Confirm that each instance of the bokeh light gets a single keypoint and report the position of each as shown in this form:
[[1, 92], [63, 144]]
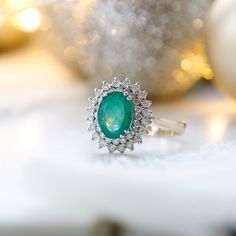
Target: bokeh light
[[28, 20]]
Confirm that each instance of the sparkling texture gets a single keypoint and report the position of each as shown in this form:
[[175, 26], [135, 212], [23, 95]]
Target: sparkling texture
[[159, 43], [115, 115], [119, 115]]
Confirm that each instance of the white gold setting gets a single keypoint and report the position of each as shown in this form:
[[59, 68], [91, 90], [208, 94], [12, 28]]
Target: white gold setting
[[144, 122], [143, 115]]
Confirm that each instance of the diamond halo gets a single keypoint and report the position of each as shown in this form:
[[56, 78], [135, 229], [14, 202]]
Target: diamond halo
[[142, 115]]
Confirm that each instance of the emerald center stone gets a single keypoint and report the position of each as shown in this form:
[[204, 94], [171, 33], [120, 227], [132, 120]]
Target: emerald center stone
[[115, 114]]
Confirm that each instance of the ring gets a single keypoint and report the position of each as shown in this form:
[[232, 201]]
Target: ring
[[119, 115]]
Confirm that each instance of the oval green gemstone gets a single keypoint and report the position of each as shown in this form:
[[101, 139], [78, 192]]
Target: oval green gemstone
[[115, 114]]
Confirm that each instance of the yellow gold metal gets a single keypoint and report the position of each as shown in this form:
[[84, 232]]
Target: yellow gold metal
[[164, 127]]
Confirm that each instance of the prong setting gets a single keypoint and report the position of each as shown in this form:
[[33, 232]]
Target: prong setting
[[142, 115]]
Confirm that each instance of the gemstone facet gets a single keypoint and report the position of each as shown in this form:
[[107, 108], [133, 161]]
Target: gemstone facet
[[115, 114]]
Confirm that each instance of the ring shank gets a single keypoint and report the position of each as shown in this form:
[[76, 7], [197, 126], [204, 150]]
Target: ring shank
[[165, 127]]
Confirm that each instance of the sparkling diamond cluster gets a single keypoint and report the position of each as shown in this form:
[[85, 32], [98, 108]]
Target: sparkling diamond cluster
[[142, 115]]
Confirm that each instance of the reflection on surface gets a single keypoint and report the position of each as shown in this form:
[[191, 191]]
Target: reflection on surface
[[216, 128]]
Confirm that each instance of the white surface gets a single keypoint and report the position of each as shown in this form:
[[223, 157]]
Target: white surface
[[51, 173], [54, 180]]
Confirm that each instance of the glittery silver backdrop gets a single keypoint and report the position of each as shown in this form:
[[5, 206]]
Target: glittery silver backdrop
[[157, 42]]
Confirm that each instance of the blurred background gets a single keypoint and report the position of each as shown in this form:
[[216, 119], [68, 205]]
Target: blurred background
[[53, 180]]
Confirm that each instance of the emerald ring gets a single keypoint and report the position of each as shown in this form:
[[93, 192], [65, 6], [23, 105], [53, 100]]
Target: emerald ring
[[119, 115]]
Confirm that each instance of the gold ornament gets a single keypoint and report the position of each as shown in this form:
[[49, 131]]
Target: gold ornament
[[221, 38], [159, 43]]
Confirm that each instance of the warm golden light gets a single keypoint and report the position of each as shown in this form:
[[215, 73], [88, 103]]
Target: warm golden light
[[186, 64], [178, 76], [207, 73], [194, 63], [81, 11], [17, 3], [28, 20], [216, 128], [46, 23]]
